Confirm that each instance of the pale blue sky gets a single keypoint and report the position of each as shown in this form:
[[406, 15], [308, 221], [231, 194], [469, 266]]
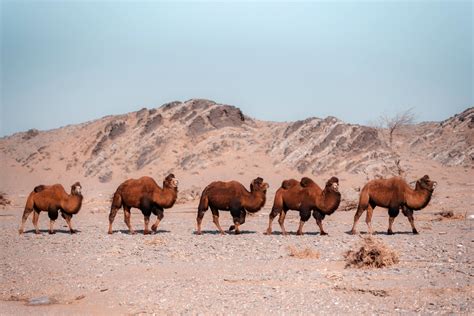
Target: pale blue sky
[[65, 62]]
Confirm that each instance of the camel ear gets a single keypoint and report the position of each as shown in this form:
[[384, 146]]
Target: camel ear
[[425, 177]]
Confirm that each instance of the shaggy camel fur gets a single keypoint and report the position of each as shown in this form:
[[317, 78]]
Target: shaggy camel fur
[[52, 199], [146, 195], [393, 194], [305, 196], [234, 197]]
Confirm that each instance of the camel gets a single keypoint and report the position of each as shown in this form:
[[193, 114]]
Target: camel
[[305, 196], [146, 195], [393, 194], [231, 196], [52, 199]]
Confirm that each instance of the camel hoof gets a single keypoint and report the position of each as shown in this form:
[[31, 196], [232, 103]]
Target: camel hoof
[[298, 233], [237, 232], [154, 227], [109, 232], [20, 231], [52, 232], [73, 231], [389, 232], [198, 233], [231, 227], [222, 233], [267, 232], [415, 232], [353, 232], [37, 232], [284, 233], [324, 234], [132, 232], [146, 232]]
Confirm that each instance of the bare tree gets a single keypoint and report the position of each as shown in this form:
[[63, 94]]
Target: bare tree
[[394, 123]]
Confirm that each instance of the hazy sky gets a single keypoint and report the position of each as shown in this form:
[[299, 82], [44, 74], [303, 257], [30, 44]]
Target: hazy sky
[[65, 62]]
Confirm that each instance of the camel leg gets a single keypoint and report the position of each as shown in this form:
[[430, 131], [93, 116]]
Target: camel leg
[[215, 219], [35, 222], [199, 218], [53, 216], [409, 214], [392, 213], [26, 213], [304, 216], [358, 214], [271, 217], [238, 221], [67, 218], [127, 215], [146, 231], [281, 221], [390, 223], [368, 219], [113, 212], [159, 217], [319, 221]]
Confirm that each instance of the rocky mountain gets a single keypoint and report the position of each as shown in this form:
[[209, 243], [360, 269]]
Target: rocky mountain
[[198, 137]]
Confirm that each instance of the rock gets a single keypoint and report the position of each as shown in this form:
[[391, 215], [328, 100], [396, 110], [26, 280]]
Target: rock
[[42, 300]]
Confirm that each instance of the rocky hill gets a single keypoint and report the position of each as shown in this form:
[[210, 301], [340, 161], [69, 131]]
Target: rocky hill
[[198, 137]]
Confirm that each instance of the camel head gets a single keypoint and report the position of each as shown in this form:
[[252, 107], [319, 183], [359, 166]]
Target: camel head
[[76, 189], [333, 184], [258, 185], [426, 183], [170, 182]]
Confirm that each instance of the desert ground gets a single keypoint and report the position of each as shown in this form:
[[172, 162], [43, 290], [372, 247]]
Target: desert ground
[[176, 271]]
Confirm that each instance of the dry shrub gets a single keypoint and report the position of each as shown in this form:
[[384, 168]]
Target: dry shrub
[[371, 253], [348, 206], [157, 241], [306, 253], [448, 215], [3, 199]]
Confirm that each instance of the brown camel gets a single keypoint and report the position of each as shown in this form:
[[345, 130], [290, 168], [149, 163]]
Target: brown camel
[[146, 195], [393, 194], [231, 196], [52, 199], [305, 196]]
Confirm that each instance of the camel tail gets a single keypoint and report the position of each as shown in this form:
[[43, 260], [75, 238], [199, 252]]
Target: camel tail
[[116, 200], [30, 202], [363, 199], [203, 202]]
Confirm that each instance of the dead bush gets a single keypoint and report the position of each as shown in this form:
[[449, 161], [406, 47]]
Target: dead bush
[[306, 253], [371, 253], [443, 215]]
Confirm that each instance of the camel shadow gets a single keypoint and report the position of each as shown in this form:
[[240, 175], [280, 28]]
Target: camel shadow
[[294, 233], [141, 231], [379, 233], [45, 231], [216, 232]]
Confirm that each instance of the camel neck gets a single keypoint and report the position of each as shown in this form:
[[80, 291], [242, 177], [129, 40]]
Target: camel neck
[[254, 201], [418, 198], [330, 201]]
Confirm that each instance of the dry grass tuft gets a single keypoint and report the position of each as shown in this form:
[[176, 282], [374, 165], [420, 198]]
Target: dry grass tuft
[[443, 215], [371, 253], [157, 241], [306, 253], [3, 199]]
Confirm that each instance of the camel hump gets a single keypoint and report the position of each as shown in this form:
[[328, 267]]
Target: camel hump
[[286, 184], [305, 182], [39, 188]]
